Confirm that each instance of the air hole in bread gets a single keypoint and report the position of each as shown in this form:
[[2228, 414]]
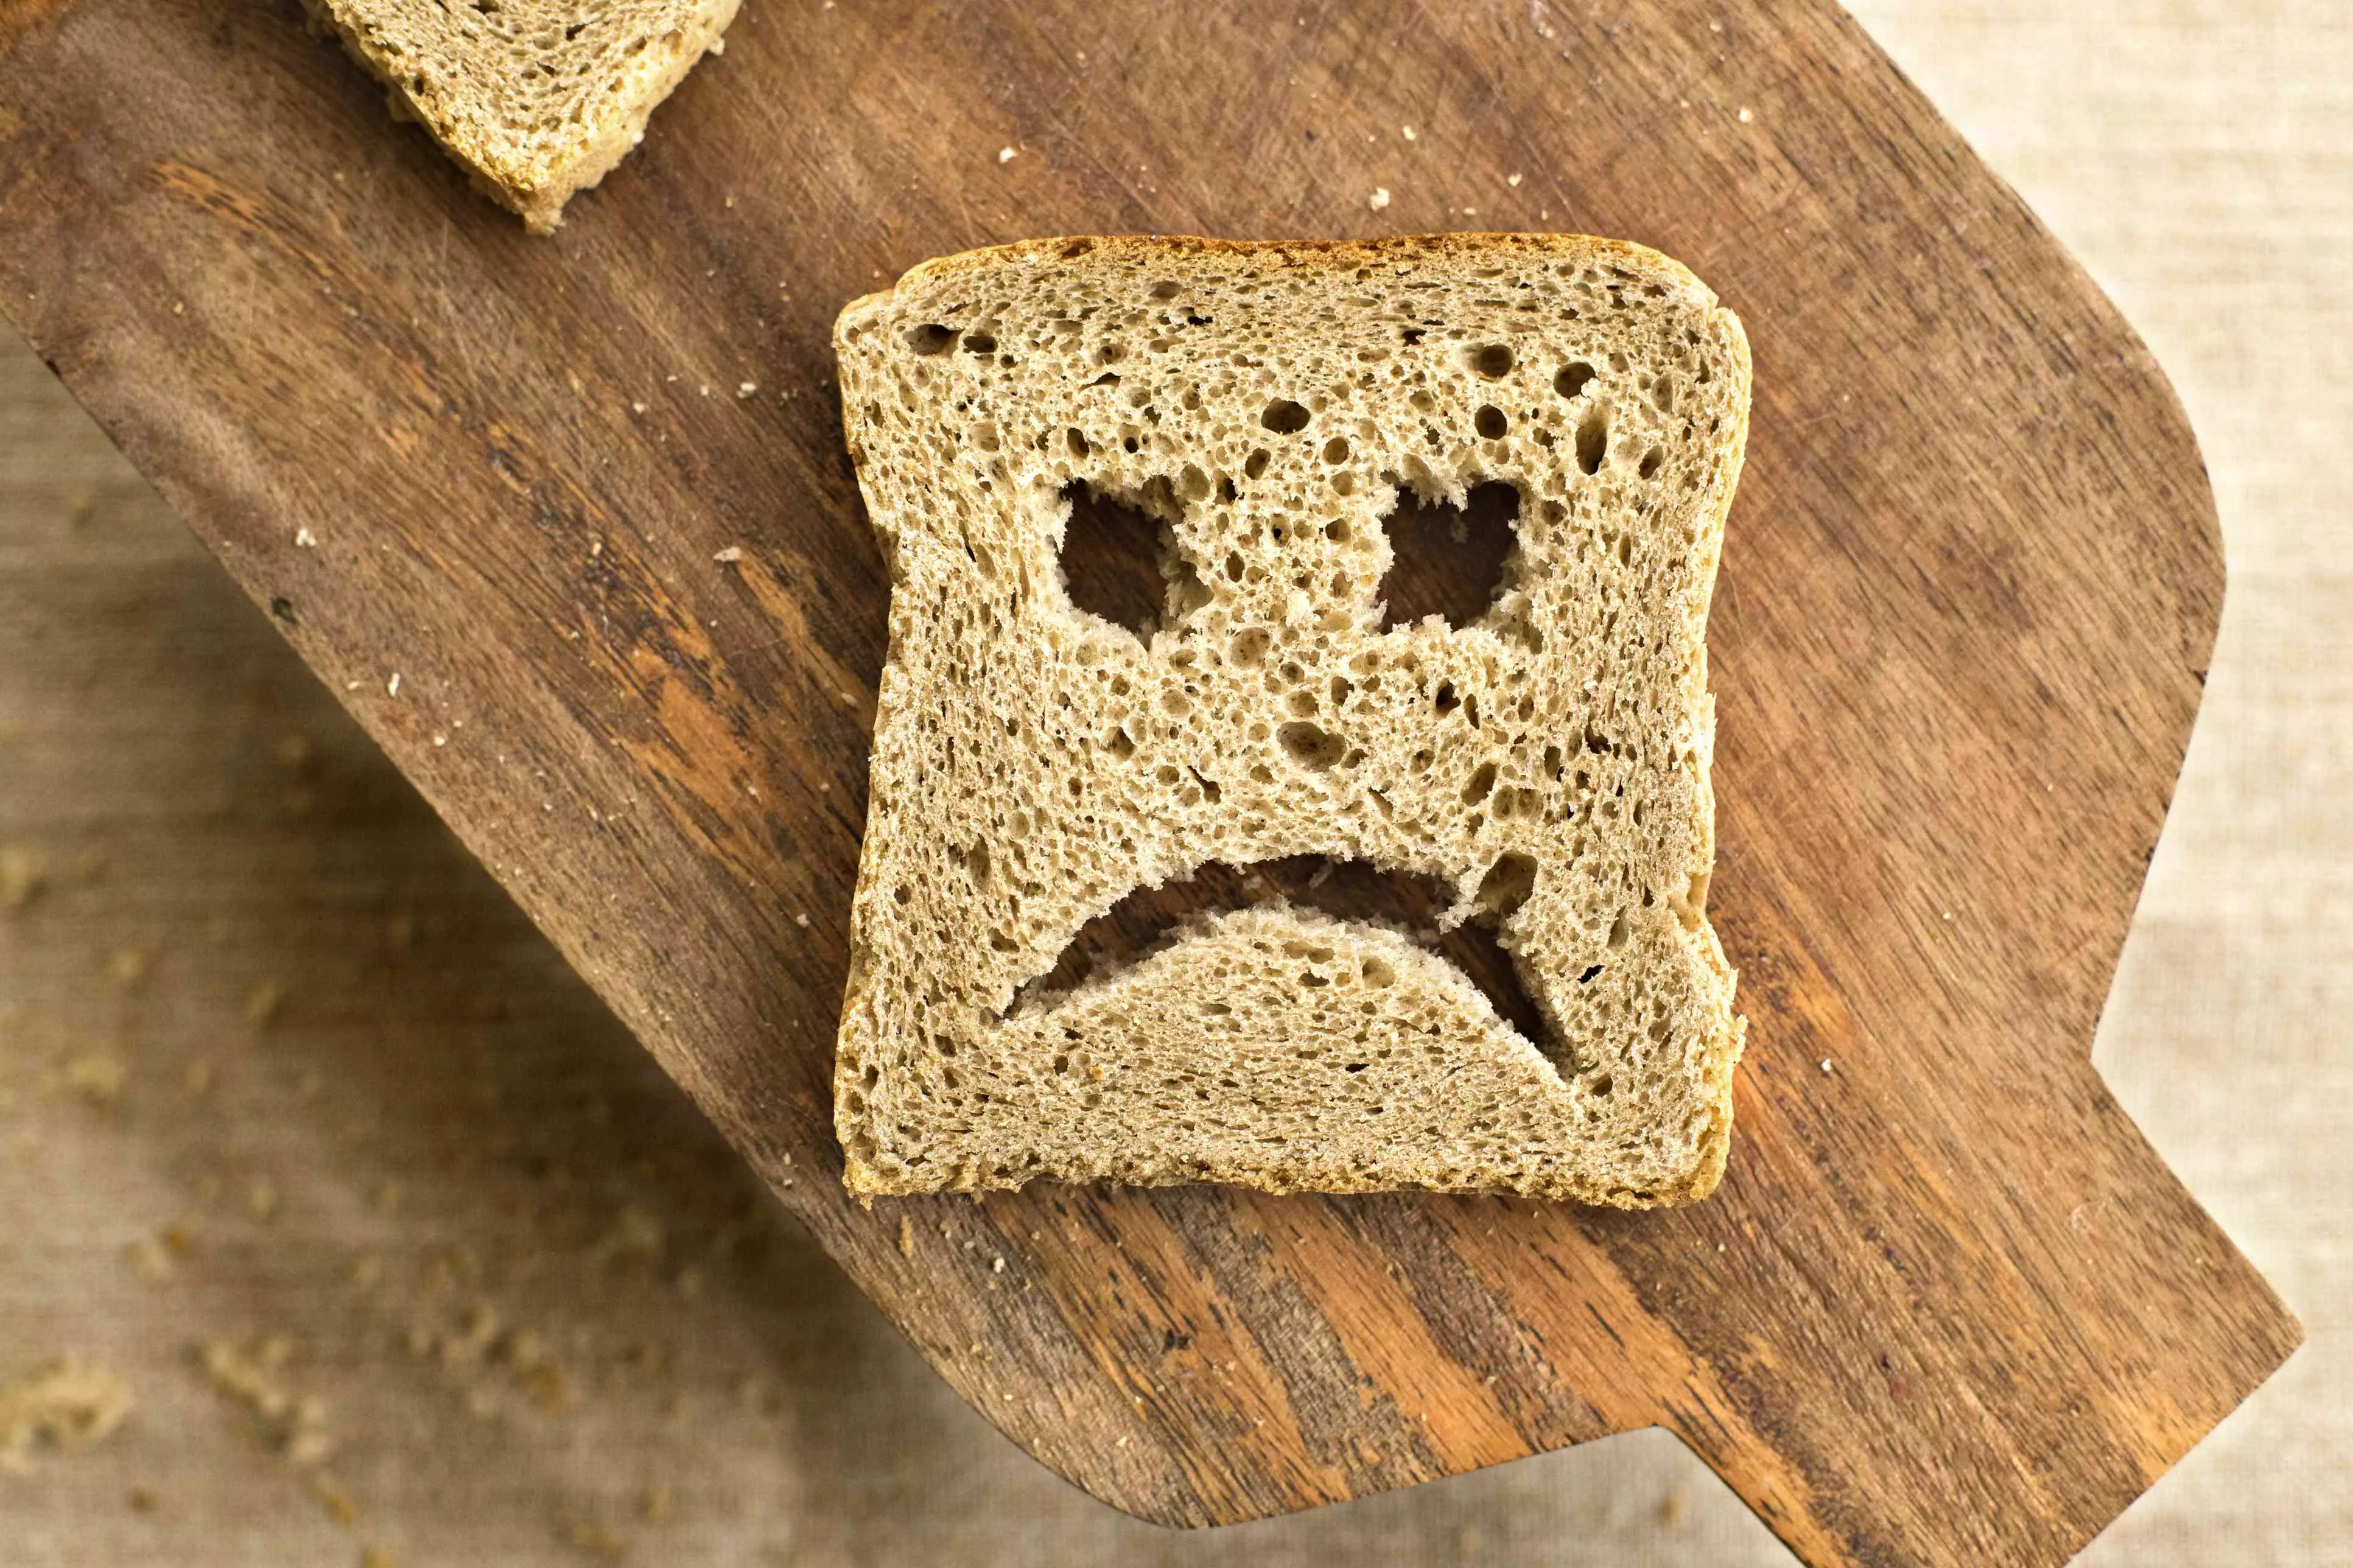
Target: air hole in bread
[[1283, 417], [1122, 563], [1650, 461], [1572, 379], [1311, 745], [1592, 440], [931, 339], [1493, 360], [1489, 422], [1345, 888], [1448, 561], [1507, 885]]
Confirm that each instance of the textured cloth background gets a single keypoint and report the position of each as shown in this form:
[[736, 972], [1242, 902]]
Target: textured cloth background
[[377, 1241]]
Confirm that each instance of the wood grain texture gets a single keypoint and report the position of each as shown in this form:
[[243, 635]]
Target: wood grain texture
[[1947, 1307]]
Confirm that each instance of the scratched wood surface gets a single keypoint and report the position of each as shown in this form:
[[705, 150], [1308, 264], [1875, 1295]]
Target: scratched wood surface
[[1947, 1307]]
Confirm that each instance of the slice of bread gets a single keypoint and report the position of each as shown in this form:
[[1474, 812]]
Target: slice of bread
[[1548, 760], [535, 99]]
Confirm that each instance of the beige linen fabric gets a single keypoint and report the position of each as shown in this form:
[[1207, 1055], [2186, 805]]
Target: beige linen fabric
[[400, 1245]]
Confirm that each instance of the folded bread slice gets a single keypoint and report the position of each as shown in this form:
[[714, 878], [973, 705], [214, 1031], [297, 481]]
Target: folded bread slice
[[534, 98], [1274, 406]]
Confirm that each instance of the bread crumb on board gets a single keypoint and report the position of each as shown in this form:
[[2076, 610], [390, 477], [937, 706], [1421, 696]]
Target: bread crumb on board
[[69, 1404], [292, 1425], [1379, 199], [263, 1002], [23, 874], [595, 1539], [97, 1077]]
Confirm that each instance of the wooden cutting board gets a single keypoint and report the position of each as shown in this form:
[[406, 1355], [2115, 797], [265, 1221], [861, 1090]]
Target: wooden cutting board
[[1947, 1307]]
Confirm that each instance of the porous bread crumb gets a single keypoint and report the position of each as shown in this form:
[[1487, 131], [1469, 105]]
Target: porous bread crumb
[[68, 1404], [1268, 404], [534, 98]]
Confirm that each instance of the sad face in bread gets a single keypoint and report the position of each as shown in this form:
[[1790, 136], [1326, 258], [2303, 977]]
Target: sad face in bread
[[1293, 420]]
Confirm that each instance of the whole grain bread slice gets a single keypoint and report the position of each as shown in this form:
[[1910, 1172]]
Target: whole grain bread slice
[[1548, 760], [534, 98]]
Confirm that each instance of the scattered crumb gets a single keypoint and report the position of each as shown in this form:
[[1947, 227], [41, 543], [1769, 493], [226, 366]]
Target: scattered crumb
[[1006, 156], [1381, 198], [305, 539], [152, 1258], [906, 1237], [1511, 180], [996, 1265], [337, 1501], [262, 1002], [1408, 133], [636, 1232], [392, 687], [22, 873], [97, 1077], [66, 1404], [733, 553], [746, 388], [801, 921], [1745, 116], [548, 1387], [295, 1427], [1826, 1066], [595, 1539]]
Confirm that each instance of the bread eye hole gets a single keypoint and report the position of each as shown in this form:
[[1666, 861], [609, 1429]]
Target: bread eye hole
[[1449, 561]]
